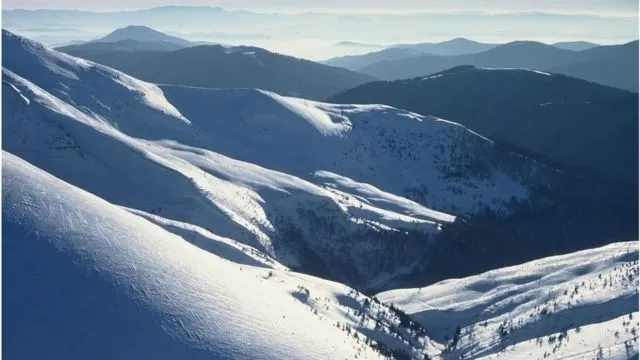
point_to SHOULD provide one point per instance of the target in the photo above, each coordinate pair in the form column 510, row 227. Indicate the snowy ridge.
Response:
column 311, row 185
column 462, row 68
column 316, row 117
column 33, row 55
column 563, row 307
column 515, row 69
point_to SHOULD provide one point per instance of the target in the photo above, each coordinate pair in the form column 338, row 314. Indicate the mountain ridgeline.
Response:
column 572, row 122
column 458, row 46
column 143, row 33
column 128, row 39
column 95, row 48
column 612, row 65
column 160, row 58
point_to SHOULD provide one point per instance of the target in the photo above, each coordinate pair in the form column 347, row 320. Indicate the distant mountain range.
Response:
column 128, row 39
column 571, row 121
column 457, row 46
column 615, row 65
column 453, row 47
column 356, row 62
column 143, row 33
column 575, row 45
column 95, row 48
column 161, row 58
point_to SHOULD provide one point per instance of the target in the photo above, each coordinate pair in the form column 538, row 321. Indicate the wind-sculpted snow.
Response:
column 308, row 110
column 370, row 194
column 561, row 307
column 314, row 186
column 77, row 80
column 86, row 280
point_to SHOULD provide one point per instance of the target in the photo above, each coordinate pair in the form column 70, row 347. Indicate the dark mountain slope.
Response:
column 355, row 62
column 571, row 121
column 575, row 45
column 615, row 65
column 98, row 47
column 519, row 54
column 457, row 46
column 215, row 66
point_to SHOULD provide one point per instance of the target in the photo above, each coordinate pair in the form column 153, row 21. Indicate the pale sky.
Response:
column 313, row 37
column 594, row 7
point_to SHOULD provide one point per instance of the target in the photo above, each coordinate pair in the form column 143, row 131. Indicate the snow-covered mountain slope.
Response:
column 230, row 198
column 174, row 219
column 314, row 186
column 549, row 115
column 86, row 279
column 370, row 143
column 562, row 307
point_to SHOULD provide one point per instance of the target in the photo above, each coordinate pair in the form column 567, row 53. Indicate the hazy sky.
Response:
column 313, row 36
column 603, row 7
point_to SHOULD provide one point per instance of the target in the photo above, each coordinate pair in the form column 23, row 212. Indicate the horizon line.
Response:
column 342, row 11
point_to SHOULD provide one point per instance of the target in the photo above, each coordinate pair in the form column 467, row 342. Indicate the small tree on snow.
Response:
column 600, row 353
